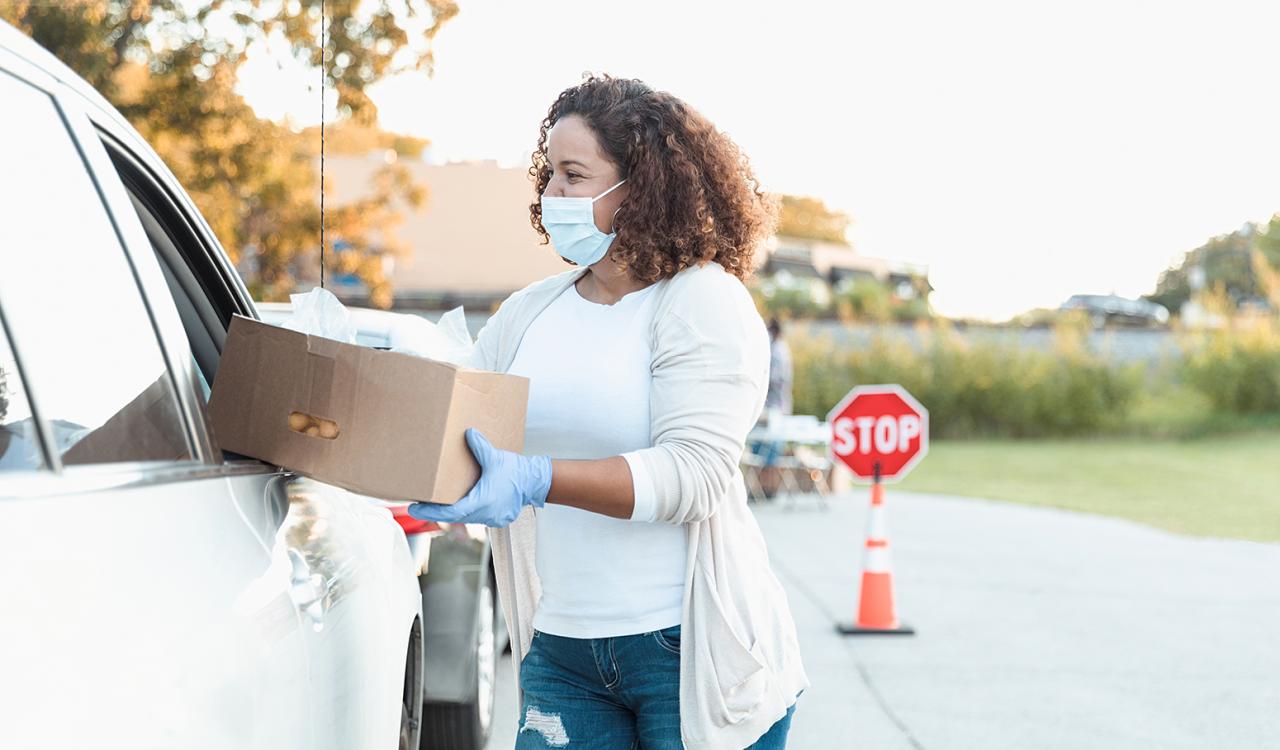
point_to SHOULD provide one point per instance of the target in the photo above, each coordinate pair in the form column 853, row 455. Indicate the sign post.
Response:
column 880, row 432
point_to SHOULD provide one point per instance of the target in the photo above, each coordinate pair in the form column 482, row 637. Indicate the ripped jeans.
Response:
column 619, row 693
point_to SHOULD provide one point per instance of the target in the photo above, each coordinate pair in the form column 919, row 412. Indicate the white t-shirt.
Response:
column 589, row 371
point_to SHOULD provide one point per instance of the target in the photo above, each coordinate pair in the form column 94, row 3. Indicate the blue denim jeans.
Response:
column 618, row 693
column 768, row 451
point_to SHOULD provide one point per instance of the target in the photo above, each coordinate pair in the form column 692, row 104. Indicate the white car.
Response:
column 1108, row 308
column 155, row 591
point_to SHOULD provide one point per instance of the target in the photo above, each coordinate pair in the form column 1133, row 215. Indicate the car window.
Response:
column 192, row 283
column 19, row 440
column 90, row 356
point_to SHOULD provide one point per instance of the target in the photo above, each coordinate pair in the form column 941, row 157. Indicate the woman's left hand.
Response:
column 508, row 482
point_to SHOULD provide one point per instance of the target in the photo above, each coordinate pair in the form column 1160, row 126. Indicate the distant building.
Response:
column 472, row 242
column 793, row 259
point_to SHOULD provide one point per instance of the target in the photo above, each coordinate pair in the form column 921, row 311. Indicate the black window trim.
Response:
column 151, row 190
column 211, row 269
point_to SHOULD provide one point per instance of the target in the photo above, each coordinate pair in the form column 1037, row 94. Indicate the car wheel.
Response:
column 411, row 700
column 465, row 726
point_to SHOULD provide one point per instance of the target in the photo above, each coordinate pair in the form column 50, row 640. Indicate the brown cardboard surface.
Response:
column 401, row 417
column 480, row 398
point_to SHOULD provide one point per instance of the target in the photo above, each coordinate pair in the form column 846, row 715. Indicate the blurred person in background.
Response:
column 777, row 402
column 778, row 398
column 634, row 578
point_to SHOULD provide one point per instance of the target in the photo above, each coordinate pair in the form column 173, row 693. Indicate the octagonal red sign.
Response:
column 879, row 424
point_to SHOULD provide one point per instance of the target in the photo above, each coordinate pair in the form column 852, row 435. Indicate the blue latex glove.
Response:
column 508, row 482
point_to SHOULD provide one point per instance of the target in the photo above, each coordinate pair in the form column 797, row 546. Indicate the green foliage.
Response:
column 862, row 300
column 1240, row 264
column 1267, row 241
column 788, row 302
column 985, row 389
column 171, row 66
column 865, row 299
column 810, row 218
column 1238, row 371
column 912, row 310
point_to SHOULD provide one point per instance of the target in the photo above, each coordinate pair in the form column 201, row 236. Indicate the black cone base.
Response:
column 902, row 629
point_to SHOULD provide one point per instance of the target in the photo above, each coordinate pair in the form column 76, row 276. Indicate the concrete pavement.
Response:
column 1037, row 628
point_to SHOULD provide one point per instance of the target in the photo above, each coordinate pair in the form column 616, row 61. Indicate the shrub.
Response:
column 974, row 389
column 912, row 310
column 788, row 302
column 865, row 299
column 1238, row 371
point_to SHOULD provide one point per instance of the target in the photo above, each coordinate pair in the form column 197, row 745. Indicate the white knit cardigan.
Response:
column 739, row 658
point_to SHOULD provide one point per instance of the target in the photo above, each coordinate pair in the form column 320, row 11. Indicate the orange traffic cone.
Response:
column 875, row 602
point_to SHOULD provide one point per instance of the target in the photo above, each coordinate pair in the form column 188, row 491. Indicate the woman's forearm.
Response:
column 602, row 486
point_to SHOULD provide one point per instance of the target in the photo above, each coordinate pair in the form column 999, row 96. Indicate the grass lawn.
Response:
column 1223, row 486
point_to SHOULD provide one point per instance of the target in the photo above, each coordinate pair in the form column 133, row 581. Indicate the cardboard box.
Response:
column 400, row 419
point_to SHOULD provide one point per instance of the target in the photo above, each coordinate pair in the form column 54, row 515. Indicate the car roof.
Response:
column 27, row 49
column 45, row 70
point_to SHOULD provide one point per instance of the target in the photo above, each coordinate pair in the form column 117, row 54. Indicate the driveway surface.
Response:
column 1036, row 628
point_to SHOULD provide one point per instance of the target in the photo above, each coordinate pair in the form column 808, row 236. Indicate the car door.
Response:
column 351, row 574
column 139, row 608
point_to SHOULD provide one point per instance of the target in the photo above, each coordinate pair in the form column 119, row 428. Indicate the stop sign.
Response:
column 879, row 424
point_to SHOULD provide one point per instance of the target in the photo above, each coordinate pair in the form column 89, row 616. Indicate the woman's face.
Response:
column 579, row 169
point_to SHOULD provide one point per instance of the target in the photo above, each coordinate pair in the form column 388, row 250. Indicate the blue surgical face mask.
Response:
column 571, row 223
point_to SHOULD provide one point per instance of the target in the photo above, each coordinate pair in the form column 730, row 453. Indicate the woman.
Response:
column 634, row 579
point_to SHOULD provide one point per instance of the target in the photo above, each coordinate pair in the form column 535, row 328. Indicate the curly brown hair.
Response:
column 693, row 196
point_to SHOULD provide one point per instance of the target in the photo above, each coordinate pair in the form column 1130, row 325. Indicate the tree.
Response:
column 1225, row 260
column 350, row 137
column 1266, row 261
column 1267, row 241
column 171, row 69
column 810, row 218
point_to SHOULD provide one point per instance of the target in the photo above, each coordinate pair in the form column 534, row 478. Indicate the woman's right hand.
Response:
column 508, row 482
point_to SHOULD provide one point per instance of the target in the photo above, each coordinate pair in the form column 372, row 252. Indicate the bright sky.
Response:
column 1025, row 151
